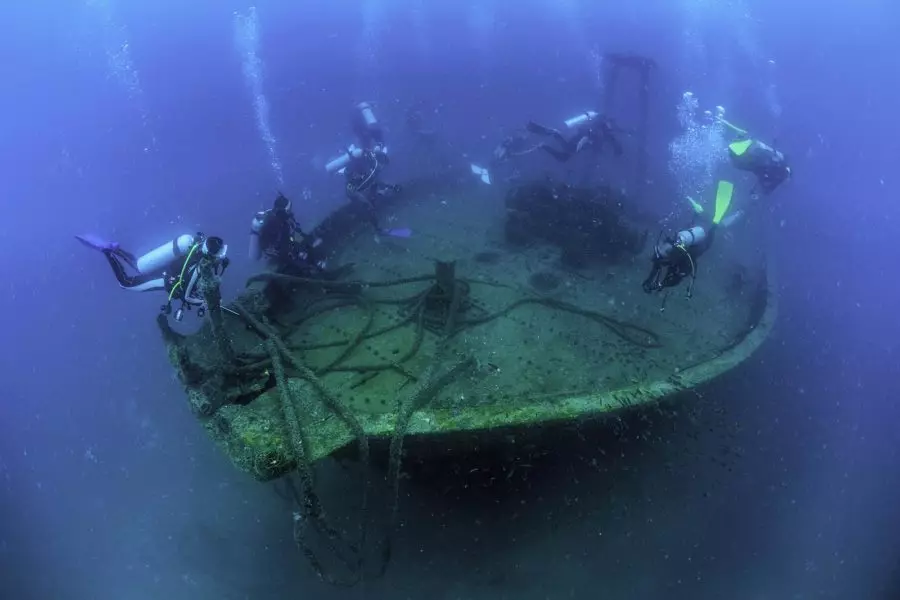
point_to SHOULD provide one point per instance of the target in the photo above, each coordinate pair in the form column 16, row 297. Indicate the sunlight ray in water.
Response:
column 120, row 63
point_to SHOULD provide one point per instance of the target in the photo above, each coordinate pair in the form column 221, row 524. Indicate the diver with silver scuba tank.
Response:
column 675, row 257
column 362, row 166
column 589, row 130
column 276, row 237
column 678, row 255
column 173, row 268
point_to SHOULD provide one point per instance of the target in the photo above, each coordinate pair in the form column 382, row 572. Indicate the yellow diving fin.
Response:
column 695, row 205
column 723, row 200
column 738, row 148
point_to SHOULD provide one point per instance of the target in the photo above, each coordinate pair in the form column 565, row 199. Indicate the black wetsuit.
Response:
column 178, row 272
column 678, row 261
column 286, row 247
column 769, row 165
column 594, row 134
column 130, row 280
column 364, row 185
column 179, row 278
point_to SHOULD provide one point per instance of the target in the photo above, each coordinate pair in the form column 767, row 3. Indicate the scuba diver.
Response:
column 590, row 130
column 362, row 166
column 172, row 268
column 366, row 127
column 275, row 235
column 768, row 164
column 678, row 255
column 747, row 154
column 513, row 145
column 365, row 187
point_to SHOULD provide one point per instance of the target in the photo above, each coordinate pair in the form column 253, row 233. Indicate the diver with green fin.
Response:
column 748, row 154
column 675, row 258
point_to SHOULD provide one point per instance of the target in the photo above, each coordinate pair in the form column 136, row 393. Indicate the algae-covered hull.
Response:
column 456, row 330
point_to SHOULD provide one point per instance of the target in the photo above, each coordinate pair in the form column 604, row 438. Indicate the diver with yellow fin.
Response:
column 748, row 154
column 675, row 258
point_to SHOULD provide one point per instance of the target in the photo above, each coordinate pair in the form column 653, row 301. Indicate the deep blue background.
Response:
column 111, row 490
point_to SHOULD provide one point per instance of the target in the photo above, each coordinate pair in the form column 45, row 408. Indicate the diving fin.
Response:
column 482, row 173
column 723, row 200
column 695, row 205
column 738, row 148
column 97, row 243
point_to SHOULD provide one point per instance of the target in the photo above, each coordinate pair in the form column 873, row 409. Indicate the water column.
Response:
column 369, row 48
column 120, row 64
column 482, row 18
column 742, row 41
column 419, row 15
column 246, row 40
column 570, row 11
column 746, row 37
column 596, row 66
column 769, row 78
column 693, row 45
column 696, row 154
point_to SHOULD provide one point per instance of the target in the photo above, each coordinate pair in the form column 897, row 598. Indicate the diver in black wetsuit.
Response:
column 172, row 268
column 362, row 166
column 768, row 164
column 364, row 185
column 276, row 236
column 678, row 256
column 590, row 131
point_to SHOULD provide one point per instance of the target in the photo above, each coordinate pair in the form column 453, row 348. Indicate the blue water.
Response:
column 144, row 120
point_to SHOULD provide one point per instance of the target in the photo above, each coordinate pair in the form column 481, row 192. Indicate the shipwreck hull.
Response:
column 455, row 338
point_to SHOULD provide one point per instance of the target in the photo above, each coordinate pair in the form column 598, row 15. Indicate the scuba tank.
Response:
column 584, row 117
column 676, row 257
column 341, row 161
column 159, row 258
column 691, row 237
column 365, row 109
column 366, row 126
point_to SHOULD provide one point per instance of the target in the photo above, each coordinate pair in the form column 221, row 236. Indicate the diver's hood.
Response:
column 215, row 246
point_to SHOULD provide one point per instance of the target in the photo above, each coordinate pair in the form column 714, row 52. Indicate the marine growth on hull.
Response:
column 499, row 312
